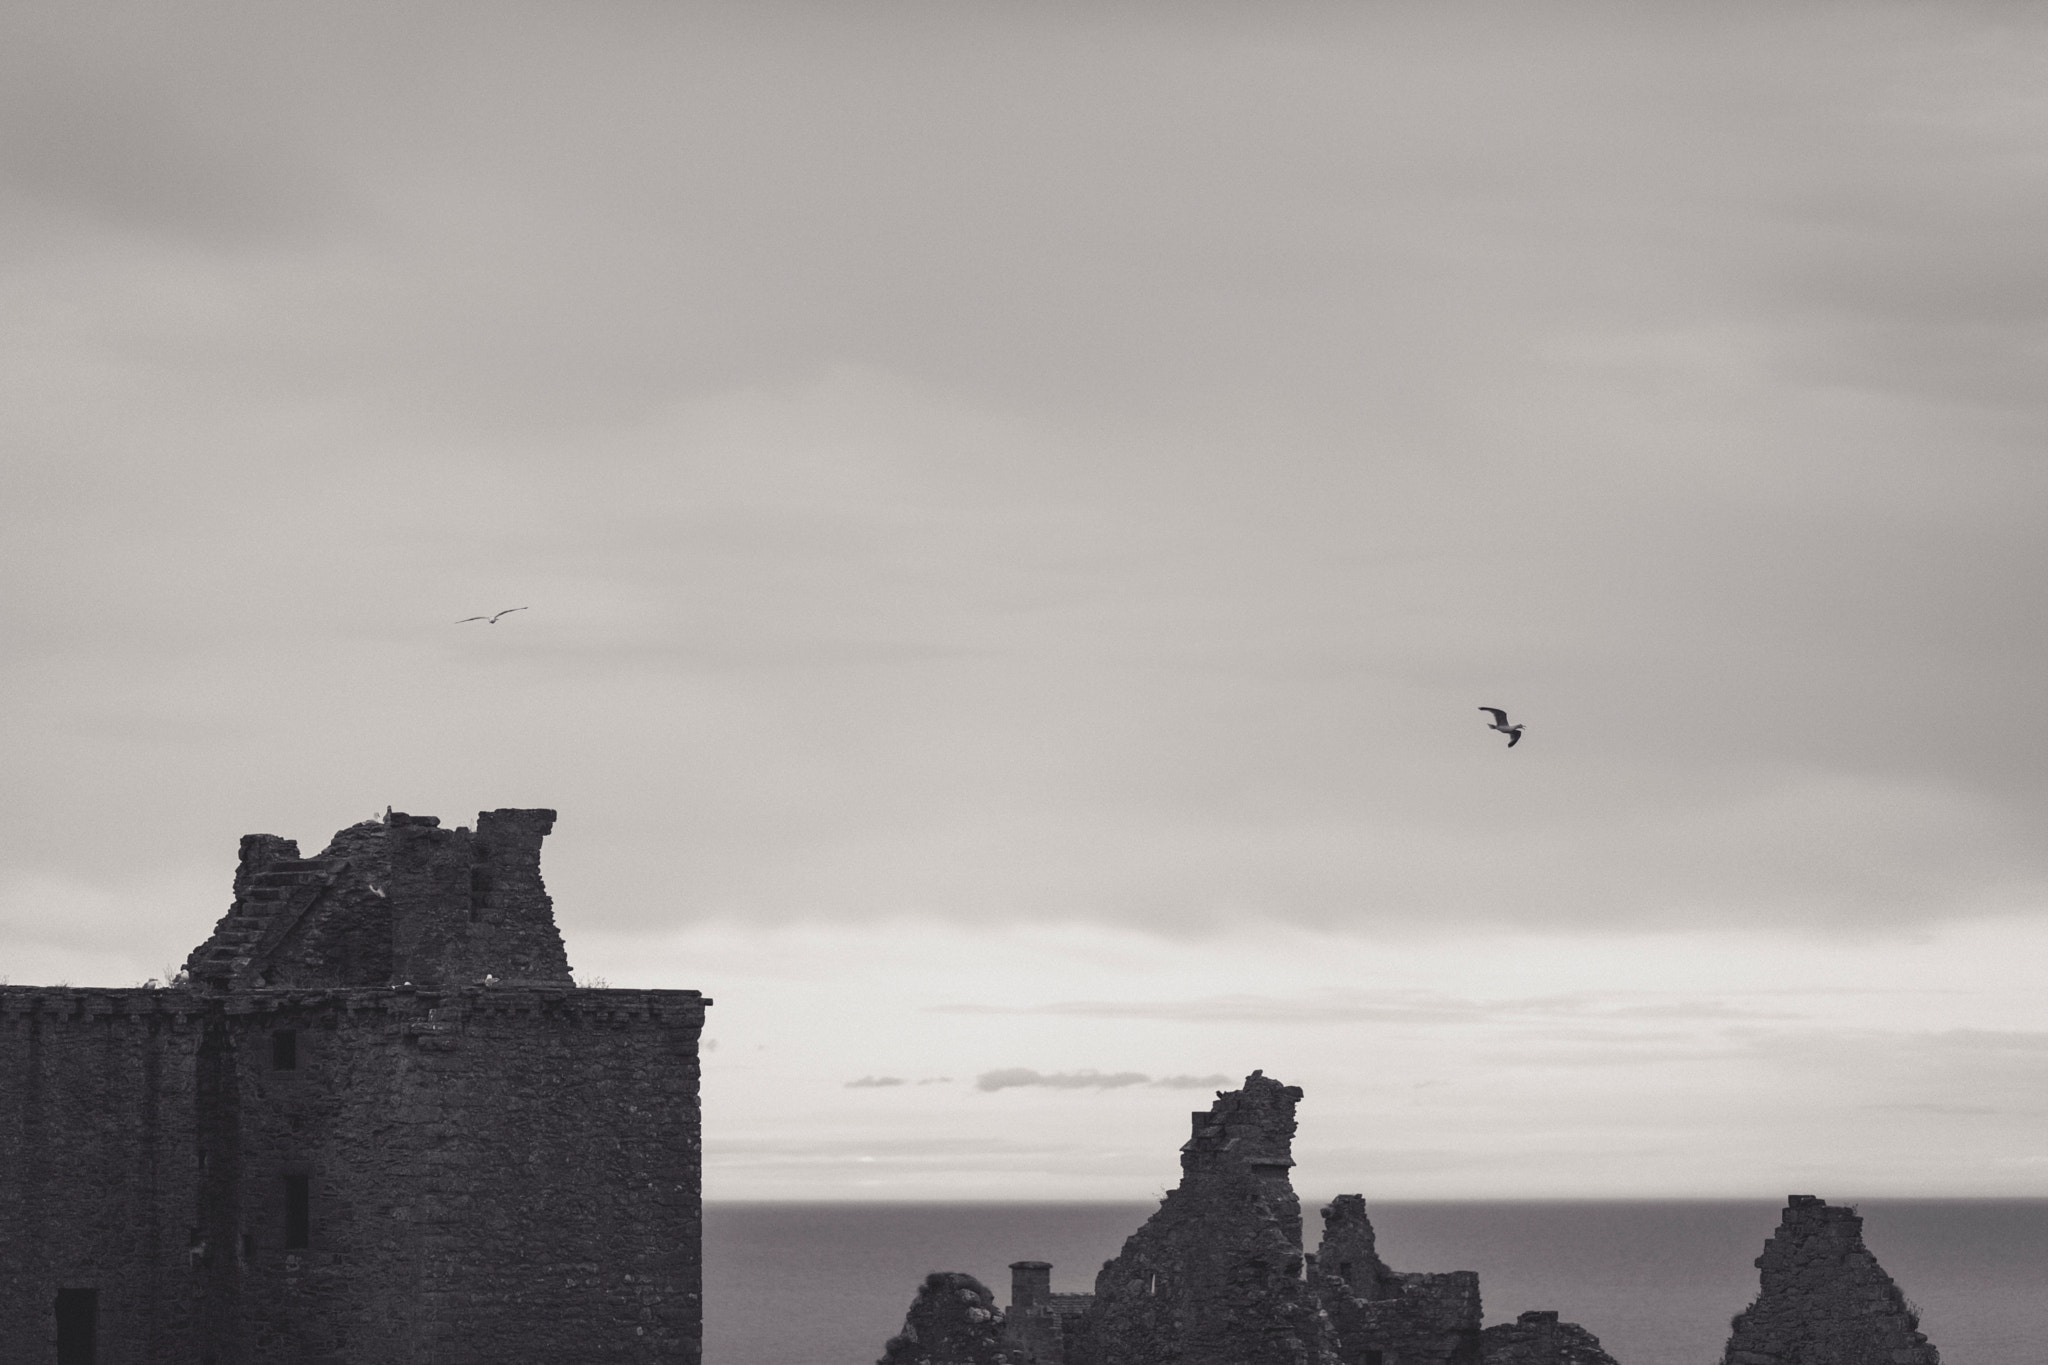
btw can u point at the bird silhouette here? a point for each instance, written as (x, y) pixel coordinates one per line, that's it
(490, 620)
(1500, 723)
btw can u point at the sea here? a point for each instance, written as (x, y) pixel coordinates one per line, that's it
(828, 1284)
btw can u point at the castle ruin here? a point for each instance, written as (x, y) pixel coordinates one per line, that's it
(1823, 1299)
(1219, 1276)
(376, 1122)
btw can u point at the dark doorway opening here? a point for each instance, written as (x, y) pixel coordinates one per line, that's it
(78, 1315)
(298, 1220)
(284, 1050)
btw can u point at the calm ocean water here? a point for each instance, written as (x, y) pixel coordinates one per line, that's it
(826, 1284)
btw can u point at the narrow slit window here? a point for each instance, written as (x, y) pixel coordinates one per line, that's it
(248, 1246)
(284, 1050)
(78, 1320)
(298, 1211)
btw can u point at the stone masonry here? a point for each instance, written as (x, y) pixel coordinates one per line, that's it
(377, 1125)
(1538, 1338)
(1824, 1299)
(1039, 1318)
(1218, 1276)
(1214, 1277)
(1375, 1315)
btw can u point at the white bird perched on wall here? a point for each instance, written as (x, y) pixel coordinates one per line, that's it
(1500, 723)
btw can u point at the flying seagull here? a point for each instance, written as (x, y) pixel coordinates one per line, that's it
(491, 620)
(1500, 723)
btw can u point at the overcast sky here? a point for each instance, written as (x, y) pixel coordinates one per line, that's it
(1017, 507)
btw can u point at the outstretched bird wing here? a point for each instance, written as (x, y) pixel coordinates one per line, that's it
(473, 618)
(1500, 717)
(1515, 737)
(507, 612)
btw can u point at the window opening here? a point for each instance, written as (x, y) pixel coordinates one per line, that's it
(297, 1211)
(284, 1050)
(1375, 1358)
(78, 1312)
(248, 1246)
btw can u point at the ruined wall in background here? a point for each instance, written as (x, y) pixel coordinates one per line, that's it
(1824, 1299)
(1349, 1251)
(1376, 1314)
(1215, 1276)
(1036, 1330)
(1538, 1338)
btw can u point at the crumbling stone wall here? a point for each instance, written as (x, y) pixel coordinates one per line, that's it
(1217, 1275)
(1824, 1299)
(1035, 1332)
(456, 1173)
(1538, 1338)
(389, 902)
(1349, 1251)
(1374, 1314)
(1214, 1277)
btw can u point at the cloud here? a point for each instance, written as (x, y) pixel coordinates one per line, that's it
(875, 1082)
(923, 514)
(1093, 1080)
(1194, 1082)
(1058, 1080)
(1350, 1007)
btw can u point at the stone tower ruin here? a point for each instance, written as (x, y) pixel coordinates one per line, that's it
(376, 1122)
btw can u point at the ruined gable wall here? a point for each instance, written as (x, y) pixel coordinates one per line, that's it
(388, 902)
(1824, 1299)
(1214, 1277)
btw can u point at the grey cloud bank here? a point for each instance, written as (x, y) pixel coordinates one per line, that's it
(980, 463)
(1009, 1078)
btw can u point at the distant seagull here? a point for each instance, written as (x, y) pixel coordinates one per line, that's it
(1500, 723)
(490, 620)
